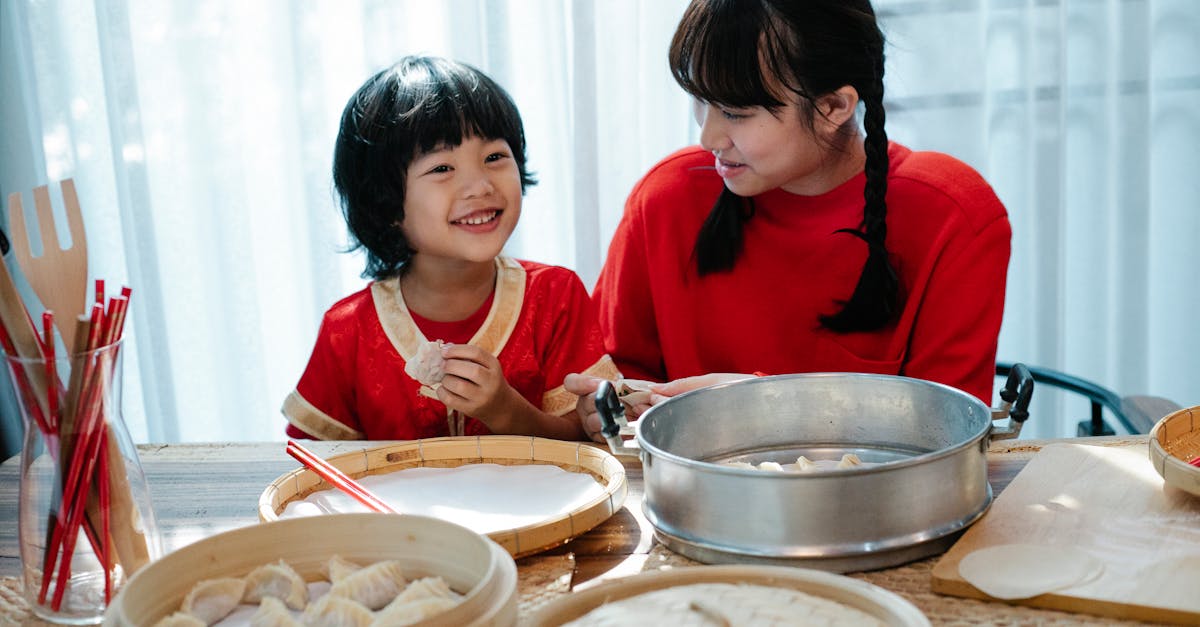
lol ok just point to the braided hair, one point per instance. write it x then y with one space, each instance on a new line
733 52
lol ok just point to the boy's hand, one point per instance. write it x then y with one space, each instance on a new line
475 386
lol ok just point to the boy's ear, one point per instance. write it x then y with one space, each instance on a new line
837 107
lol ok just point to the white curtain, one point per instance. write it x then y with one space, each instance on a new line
200 132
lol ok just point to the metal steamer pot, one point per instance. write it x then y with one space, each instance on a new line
924 479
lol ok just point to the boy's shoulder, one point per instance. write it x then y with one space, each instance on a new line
546 276
351 308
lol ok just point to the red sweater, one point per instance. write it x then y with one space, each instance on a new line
948 238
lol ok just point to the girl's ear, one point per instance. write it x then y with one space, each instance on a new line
837 107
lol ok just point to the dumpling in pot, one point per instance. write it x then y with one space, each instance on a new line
771 466
279 581
213 599
374 586
849 460
804 464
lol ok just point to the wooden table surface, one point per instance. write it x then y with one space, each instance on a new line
203 489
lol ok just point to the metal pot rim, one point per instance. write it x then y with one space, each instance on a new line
923 458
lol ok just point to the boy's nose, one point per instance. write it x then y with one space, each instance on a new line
480 185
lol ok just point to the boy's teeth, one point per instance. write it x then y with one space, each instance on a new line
480 219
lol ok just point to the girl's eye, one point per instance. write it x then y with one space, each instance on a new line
731 115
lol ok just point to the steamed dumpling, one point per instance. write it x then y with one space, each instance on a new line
180 619
213 599
279 581
335 611
771 466
804 464
273 613
413 611
338 567
425 588
374 586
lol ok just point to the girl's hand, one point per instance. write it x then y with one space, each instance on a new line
585 387
662 391
474 385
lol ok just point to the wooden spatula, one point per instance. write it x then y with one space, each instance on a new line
58 276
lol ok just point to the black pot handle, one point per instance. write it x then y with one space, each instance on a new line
1017 392
611 411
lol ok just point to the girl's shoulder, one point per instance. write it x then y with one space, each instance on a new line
933 177
683 170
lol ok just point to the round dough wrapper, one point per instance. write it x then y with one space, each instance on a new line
1020 571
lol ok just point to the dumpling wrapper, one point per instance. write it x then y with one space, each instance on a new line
1020 571
428 367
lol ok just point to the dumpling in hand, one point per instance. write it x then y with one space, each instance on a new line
273 613
413 611
849 460
428 367
180 619
338 567
213 599
335 611
279 581
374 586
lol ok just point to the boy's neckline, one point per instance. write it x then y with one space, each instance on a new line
447 302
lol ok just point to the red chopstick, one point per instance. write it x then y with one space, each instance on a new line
337 478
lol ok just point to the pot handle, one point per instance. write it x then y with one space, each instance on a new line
612 419
1015 397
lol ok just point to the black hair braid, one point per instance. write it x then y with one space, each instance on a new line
874 303
719 241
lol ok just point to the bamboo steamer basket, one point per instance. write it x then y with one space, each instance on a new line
452 452
470 563
869 598
1174 441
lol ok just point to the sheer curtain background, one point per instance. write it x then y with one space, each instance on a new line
200 134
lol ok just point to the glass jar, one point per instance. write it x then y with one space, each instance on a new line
85 519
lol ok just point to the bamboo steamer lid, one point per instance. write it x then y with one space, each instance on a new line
452 452
471 564
1174 441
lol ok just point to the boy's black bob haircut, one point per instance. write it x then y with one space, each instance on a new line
414 106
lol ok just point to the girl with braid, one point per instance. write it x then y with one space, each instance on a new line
792 240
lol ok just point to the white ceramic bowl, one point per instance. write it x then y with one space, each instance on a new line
470 563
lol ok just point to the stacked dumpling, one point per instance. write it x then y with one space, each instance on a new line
358 596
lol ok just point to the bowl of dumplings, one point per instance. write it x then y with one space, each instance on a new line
341 569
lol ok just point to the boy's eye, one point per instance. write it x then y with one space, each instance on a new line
496 156
439 169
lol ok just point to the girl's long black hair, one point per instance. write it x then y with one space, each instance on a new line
732 52
399 113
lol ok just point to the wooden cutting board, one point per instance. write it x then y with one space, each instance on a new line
1110 503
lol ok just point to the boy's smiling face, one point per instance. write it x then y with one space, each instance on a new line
462 202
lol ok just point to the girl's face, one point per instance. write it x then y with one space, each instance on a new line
758 150
462 202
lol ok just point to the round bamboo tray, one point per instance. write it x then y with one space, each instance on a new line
468 562
458 451
1174 441
869 598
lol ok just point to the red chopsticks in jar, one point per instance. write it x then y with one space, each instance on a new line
337 478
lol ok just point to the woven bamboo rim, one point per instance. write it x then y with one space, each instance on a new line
887 606
452 452
1174 441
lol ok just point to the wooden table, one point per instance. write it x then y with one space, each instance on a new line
202 489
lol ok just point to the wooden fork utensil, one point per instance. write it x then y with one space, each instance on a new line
58 276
